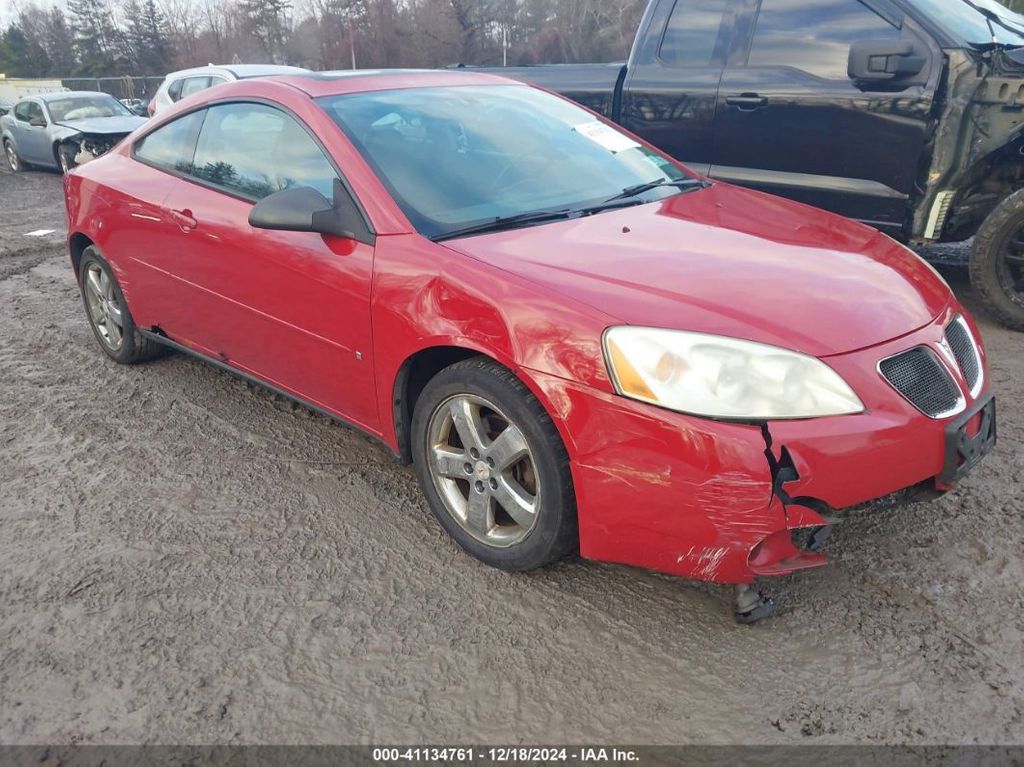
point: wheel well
(988, 183)
(77, 245)
(412, 377)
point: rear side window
(692, 33)
(21, 111)
(171, 146)
(174, 90)
(253, 150)
(193, 85)
(814, 35)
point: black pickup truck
(905, 114)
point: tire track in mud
(189, 557)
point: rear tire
(493, 467)
(997, 262)
(108, 314)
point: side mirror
(37, 122)
(303, 209)
(881, 61)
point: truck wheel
(997, 262)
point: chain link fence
(126, 87)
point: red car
(578, 343)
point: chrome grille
(919, 376)
(962, 344)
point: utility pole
(352, 40)
(504, 45)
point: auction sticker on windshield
(606, 137)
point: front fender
(425, 295)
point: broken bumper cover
(719, 501)
(86, 147)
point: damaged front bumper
(723, 501)
(85, 147)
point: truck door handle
(747, 102)
(184, 219)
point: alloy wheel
(12, 156)
(483, 469)
(105, 311)
(1010, 269)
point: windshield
(970, 24)
(453, 157)
(84, 107)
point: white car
(178, 85)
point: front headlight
(720, 377)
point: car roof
(317, 84)
(239, 71)
(56, 95)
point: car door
(31, 140)
(145, 242)
(671, 89)
(791, 121)
(292, 308)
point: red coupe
(580, 345)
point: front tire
(108, 314)
(65, 159)
(13, 160)
(493, 467)
(997, 262)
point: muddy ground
(187, 558)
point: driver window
(35, 112)
(253, 150)
(814, 35)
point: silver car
(65, 129)
(178, 85)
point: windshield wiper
(534, 217)
(506, 222)
(634, 191)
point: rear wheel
(108, 314)
(493, 467)
(997, 262)
(13, 160)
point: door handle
(184, 219)
(747, 102)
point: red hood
(729, 261)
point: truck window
(814, 35)
(692, 33)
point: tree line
(97, 38)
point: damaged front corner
(778, 554)
(82, 148)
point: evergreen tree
(267, 22)
(98, 41)
(22, 61)
(146, 38)
(7, 58)
(60, 43)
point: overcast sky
(9, 8)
